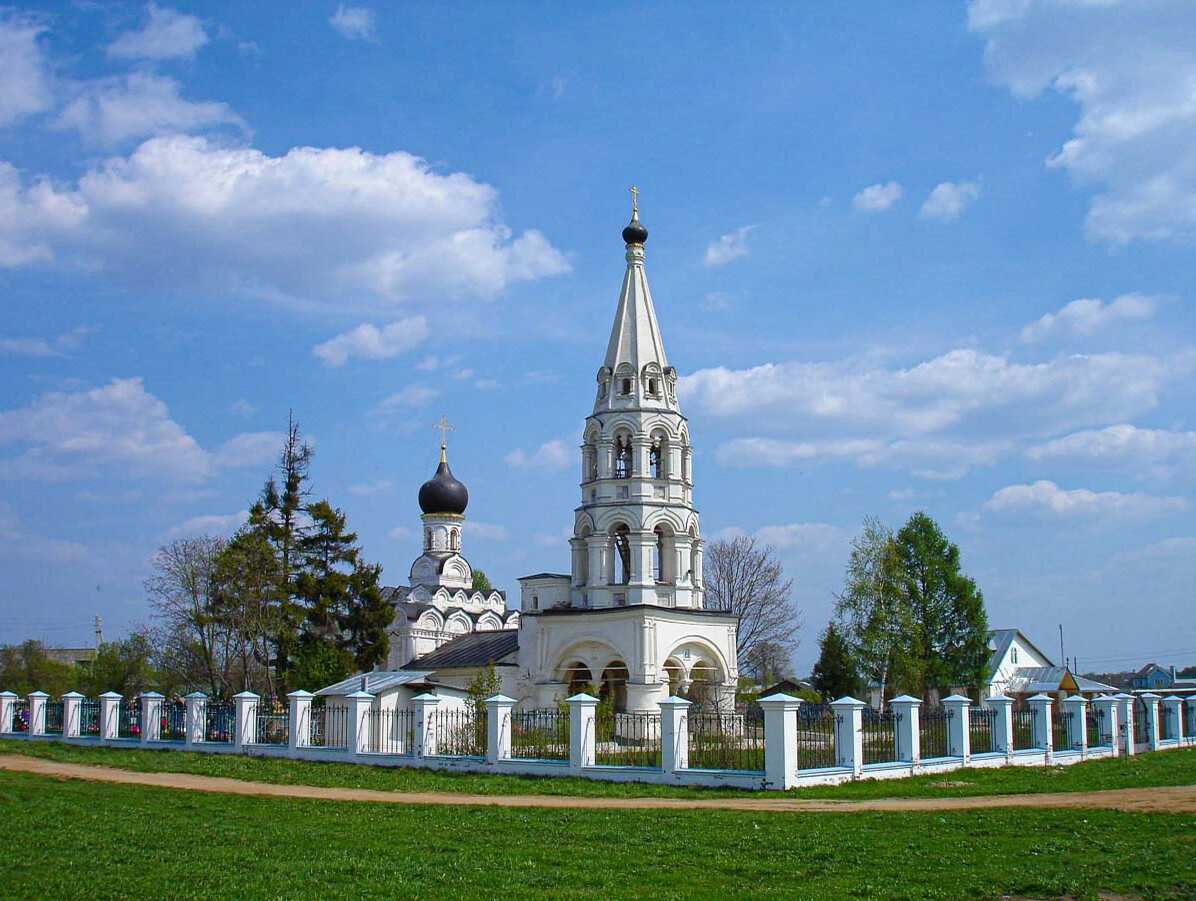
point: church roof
(471, 649)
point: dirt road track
(1171, 799)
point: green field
(1177, 767)
(74, 839)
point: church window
(623, 458)
(657, 456)
(660, 552)
(623, 554)
(535, 602)
(1013, 657)
(652, 387)
(427, 539)
(625, 387)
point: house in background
(1017, 668)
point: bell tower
(636, 538)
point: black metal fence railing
(1167, 728)
(933, 727)
(20, 717)
(815, 736)
(1061, 730)
(461, 732)
(390, 731)
(540, 734)
(128, 718)
(1023, 729)
(981, 721)
(727, 741)
(1099, 734)
(627, 739)
(54, 717)
(880, 736)
(273, 724)
(1140, 736)
(172, 721)
(328, 725)
(220, 722)
(89, 718)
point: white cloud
(487, 384)
(927, 458)
(243, 408)
(432, 363)
(356, 23)
(877, 198)
(108, 111)
(215, 523)
(24, 79)
(1046, 497)
(550, 456)
(729, 247)
(948, 200)
(1122, 444)
(483, 531)
(399, 532)
(42, 347)
(1130, 68)
(167, 35)
(250, 449)
(803, 535)
(372, 343)
(413, 395)
(118, 429)
(717, 301)
(371, 488)
(314, 226)
(1085, 316)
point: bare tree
(748, 581)
(179, 589)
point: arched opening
(427, 539)
(579, 677)
(703, 684)
(666, 553)
(678, 684)
(614, 685)
(455, 540)
(621, 558)
(583, 557)
(623, 465)
(625, 387)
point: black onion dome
(635, 233)
(443, 493)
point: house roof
(1033, 679)
(375, 682)
(1001, 639)
(545, 576)
(471, 649)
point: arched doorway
(614, 685)
(579, 678)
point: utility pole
(99, 633)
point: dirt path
(1171, 799)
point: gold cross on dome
(635, 193)
(445, 428)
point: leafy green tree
(247, 577)
(481, 582)
(485, 684)
(319, 664)
(26, 668)
(835, 674)
(124, 666)
(1188, 672)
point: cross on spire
(443, 425)
(635, 209)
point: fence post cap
(500, 699)
(427, 698)
(1041, 698)
(359, 695)
(152, 694)
(8, 694)
(1149, 696)
(1075, 699)
(780, 701)
(957, 699)
(1173, 698)
(196, 695)
(583, 699)
(249, 695)
(73, 694)
(38, 694)
(848, 701)
(998, 698)
(675, 701)
(300, 693)
(905, 700)
(1122, 696)
(112, 695)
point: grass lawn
(1176, 767)
(76, 839)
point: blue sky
(905, 256)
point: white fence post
(1002, 724)
(359, 731)
(72, 727)
(300, 702)
(1151, 701)
(109, 715)
(1043, 735)
(8, 703)
(1190, 718)
(959, 727)
(581, 731)
(425, 724)
(1125, 722)
(849, 734)
(1076, 707)
(780, 740)
(674, 734)
(196, 728)
(37, 712)
(1106, 710)
(1174, 708)
(245, 728)
(909, 728)
(498, 727)
(151, 716)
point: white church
(629, 616)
